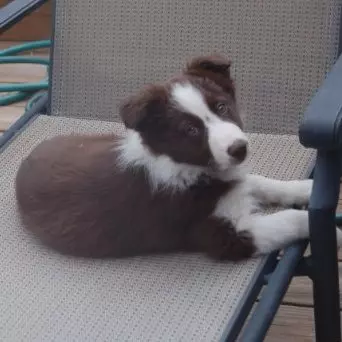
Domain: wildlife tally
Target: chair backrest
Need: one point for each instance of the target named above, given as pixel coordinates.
(281, 50)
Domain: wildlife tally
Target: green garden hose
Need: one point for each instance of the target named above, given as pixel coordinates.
(22, 91)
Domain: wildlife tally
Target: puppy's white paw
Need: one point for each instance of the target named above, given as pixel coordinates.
(300, 192)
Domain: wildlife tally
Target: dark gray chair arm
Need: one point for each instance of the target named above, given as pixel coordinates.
(321, 129)
(322, 124)
(15, 10)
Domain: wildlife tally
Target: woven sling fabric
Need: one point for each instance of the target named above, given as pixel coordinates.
(49, 297)
(280, 50)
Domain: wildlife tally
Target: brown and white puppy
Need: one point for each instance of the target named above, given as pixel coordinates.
(174, 182)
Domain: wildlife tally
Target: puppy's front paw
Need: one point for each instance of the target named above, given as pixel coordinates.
(300, 193)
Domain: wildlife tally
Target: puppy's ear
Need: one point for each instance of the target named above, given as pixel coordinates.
(215, 68)
(138, 109)
(216, 64)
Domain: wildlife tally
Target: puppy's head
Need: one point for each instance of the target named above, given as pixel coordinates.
(193, 118)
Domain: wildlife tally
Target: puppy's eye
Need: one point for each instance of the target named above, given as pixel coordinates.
(221, 108)
(189, 129)
(193, 131)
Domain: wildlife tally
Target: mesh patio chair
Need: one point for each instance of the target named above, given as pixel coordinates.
(286, 66)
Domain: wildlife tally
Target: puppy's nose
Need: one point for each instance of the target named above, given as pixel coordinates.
(238, 150)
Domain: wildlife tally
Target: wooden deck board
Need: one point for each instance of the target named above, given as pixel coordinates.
(17, 73)
(300, 291)
(35, 26)
(293, 324)
(8, 115)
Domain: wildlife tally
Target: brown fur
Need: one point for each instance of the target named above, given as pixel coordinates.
(72, 195)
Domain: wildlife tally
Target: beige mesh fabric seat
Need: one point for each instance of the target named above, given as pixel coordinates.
(103, 51)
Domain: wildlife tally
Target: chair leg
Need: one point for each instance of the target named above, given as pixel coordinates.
(325, 278)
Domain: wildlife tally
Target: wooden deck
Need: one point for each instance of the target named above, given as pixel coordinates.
(294, 321)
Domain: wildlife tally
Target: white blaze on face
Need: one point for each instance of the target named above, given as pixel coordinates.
(221, 134)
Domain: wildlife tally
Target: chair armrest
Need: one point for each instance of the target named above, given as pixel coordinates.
(322, 124)
(15, 10)
(324, 266)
